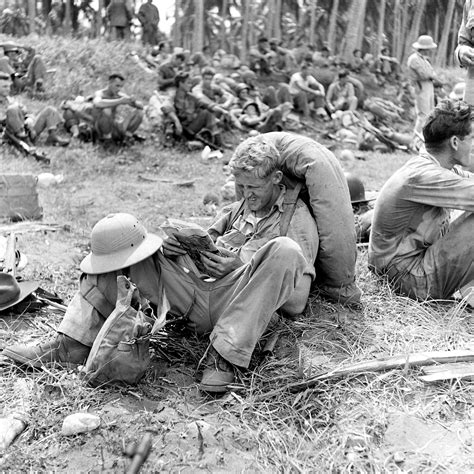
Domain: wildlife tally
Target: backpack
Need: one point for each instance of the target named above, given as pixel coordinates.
(120, 352)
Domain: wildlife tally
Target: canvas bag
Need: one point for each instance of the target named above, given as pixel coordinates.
(120, 352)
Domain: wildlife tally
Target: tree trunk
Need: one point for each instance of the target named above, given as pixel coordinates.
(397, 30)
(270, 17)
(223, 29)
(356, 20)
(31, 15)
(177, 24)
(331, 39)
(245, 29)
(435, 33)
(415, 28)
(277, 20)
(381, 27)
(454, 38)
(68, 18)
(100, 9)
(443, 43)
(312, 24)
(198, 35)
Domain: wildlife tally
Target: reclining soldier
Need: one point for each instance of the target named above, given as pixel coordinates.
(27, 127)
(264, 268)
(26, 71)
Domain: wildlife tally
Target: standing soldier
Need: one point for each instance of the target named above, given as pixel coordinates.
(422, 75)
(119, 17)
(149, 17)
(465, 50)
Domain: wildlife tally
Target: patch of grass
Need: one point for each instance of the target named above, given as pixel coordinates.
(339, 425)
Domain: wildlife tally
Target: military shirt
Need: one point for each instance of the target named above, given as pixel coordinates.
(412, 210)
(249, 233)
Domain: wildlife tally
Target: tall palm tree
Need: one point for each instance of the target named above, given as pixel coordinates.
(381, 26)
(414, 31)
(198, 33)
(332, 25)
(443, 41)
(356, 17)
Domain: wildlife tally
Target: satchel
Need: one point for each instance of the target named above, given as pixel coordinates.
(120, 352)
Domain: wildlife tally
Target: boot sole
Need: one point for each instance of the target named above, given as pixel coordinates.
(36, 364)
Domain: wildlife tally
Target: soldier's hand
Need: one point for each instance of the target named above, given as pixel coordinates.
(178, 128)
(219, 266)
(172, 248)
(219, 110)
(466, 55)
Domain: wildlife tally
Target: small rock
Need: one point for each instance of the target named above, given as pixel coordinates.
(10, 427)
(79, 423)
(398, 457)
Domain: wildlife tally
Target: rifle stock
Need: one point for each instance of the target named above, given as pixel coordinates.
(24, 147)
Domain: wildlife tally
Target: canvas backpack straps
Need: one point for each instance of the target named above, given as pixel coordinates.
(235, 214)
(91, 293)
(289, 206)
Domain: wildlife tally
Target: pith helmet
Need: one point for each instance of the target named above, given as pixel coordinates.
(425, 42)
(119, 241)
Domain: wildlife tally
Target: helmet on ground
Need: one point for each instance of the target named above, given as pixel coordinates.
(356, 188)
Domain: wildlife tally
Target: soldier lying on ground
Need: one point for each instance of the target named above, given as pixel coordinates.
(413, 241)
(266, 265)
(26, 70)
(24, 126)
(253, 119)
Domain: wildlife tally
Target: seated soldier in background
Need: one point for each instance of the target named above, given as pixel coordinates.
(26, 70)
(191, 115)
(206, 88)
(27, 127)
(108, 126)
(261, 56)
(413, 241)
(341, 94)
(283, 60)
(78, 117)
(168, 70)
(306, 91)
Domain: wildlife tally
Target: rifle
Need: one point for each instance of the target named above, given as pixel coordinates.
(198, 136)
(368, 127)
(22, 146)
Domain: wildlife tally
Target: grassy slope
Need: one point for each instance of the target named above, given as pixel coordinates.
(339, 425)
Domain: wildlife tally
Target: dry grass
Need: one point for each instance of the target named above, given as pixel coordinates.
(339, 425)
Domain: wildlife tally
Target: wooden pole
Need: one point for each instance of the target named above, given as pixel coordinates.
(31, 15)
(312, 24)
